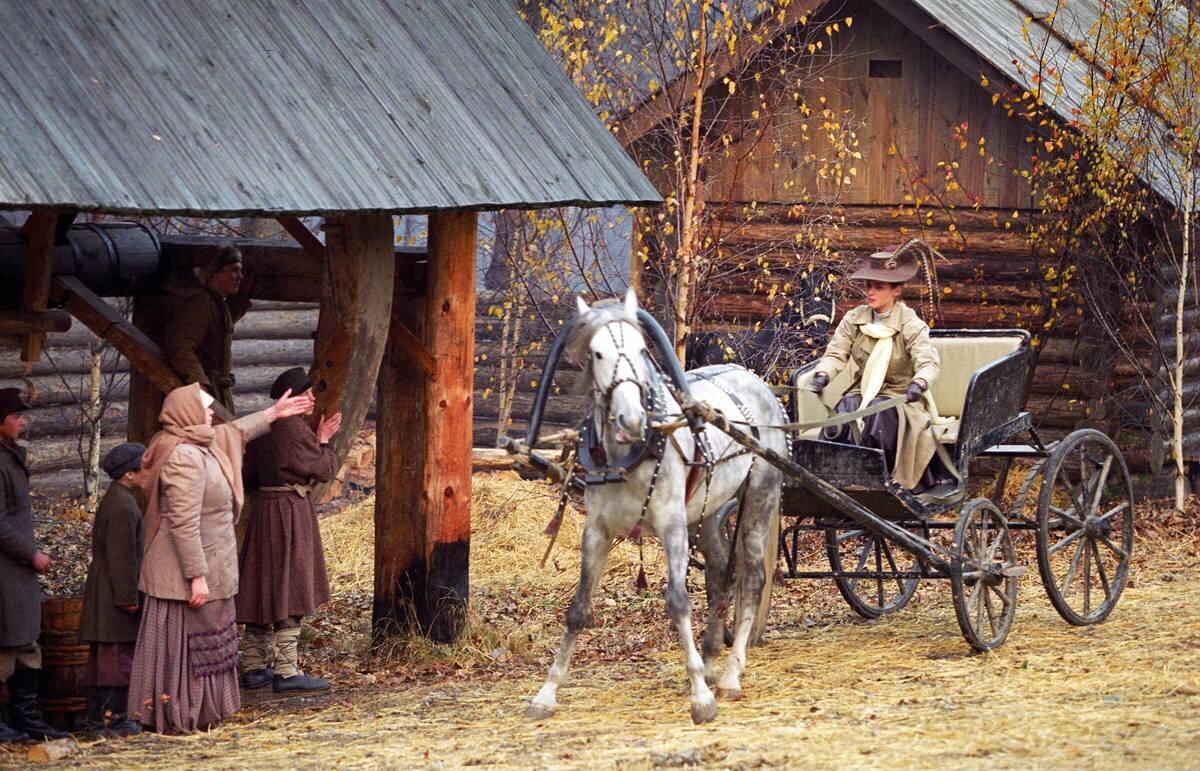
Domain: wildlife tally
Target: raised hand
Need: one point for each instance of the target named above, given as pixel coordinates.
(328, 427)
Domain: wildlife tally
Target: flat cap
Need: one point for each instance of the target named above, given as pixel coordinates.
(123, 458)
(11, 401)
(295, 378)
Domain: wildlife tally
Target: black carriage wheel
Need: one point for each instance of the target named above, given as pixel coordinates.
(983, 575)
(865, 552)
(1085, 527)
(770, 563)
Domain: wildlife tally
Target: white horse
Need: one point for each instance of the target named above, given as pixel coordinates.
(609, 339)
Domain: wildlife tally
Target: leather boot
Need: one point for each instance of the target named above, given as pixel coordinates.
(106, 713)
(11, 735)
(23, 704)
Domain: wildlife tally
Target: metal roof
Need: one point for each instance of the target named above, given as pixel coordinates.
(244, 107)
(994, 29)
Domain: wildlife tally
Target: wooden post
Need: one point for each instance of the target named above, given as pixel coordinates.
(352, 328)
(39, 262)
(400, 466)
(423, 492)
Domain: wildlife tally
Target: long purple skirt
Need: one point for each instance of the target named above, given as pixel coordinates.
(184, 675)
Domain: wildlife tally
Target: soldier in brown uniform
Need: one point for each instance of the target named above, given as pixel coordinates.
(20, 592)
(199, 337)
(111, 604)
(282, 561)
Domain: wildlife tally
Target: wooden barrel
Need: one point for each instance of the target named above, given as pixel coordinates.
(64, 658)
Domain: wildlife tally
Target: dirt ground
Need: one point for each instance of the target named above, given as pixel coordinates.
(824, 690)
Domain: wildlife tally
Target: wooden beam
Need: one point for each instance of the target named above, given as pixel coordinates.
(39, 262)
(356, 308)
(305, 237)
(27, 322)
(107, 322)
(446, 488)
(404, 341)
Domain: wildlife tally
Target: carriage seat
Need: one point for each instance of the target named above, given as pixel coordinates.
(961, 355)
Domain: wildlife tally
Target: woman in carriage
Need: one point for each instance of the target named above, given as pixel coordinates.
(889, 345)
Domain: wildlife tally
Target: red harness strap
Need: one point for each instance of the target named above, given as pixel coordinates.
(693, 478)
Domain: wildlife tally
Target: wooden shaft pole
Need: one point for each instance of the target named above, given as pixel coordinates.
(39, 262)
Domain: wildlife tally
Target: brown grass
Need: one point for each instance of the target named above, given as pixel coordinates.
(825, 689)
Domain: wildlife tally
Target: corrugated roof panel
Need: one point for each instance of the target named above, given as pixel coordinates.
(293, 106)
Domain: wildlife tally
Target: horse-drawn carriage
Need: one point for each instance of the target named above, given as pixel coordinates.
(708, 453)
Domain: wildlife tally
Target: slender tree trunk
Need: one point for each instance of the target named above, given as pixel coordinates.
(94, 416)
(1177, 379)
(688, 236)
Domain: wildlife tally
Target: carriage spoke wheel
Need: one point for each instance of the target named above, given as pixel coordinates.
(1085, 527)
(875, 588)
(983, 575)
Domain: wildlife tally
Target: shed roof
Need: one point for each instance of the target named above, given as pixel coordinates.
(245, 107)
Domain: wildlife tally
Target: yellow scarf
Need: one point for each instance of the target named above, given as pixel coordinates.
(875, 370)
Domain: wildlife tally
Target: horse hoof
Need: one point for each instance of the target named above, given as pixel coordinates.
(537, 711)
(729, 694)
(704, 711)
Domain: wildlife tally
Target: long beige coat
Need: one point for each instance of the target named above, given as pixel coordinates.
(196, 535)
(913, 356)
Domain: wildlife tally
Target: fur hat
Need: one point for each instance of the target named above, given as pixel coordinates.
(217, 259)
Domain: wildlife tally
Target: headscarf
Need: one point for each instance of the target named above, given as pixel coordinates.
(184, 421)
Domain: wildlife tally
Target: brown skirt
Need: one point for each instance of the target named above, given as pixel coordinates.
(109, 665)
(282, 564)
(185, 666)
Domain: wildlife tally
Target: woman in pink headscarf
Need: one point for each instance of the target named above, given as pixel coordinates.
(185, 664)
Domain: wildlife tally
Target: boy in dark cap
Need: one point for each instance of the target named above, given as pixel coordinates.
(199, 337)
(20, 592)
(282, 561)
(111, 605)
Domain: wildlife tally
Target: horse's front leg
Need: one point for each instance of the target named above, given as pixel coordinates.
(596, 546)
(751, 582)
(679, 608)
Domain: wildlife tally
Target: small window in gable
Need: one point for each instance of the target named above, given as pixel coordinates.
(885, 68)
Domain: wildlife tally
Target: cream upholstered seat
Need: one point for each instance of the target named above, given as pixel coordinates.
(960, 358)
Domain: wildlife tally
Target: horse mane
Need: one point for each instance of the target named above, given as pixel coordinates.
(585, 325)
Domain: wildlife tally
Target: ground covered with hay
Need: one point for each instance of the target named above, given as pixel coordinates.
(825, 689)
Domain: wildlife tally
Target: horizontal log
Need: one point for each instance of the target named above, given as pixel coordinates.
(64, 421)
(26, 322)
(276, 325)
(59, 453)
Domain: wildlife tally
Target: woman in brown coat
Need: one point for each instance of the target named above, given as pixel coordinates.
(185, 663)
(111, 606)
(282, 560)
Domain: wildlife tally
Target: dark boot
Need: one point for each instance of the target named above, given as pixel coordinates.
(300, 683)
(10, 735)
(23, 705)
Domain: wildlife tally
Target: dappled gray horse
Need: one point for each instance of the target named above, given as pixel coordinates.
(629, 397)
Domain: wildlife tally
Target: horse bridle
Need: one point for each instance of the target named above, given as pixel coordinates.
(653, 399)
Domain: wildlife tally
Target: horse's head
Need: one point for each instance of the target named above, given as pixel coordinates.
(614, 356)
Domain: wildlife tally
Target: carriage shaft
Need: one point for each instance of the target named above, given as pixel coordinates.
(852, 509)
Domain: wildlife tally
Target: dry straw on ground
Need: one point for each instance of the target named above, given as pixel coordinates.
(824, 690)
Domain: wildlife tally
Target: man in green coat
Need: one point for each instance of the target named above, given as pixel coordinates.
(111, 605)
(199, 337)
(20, 591)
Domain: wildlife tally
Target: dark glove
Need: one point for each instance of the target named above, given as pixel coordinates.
(819, 381)
(915, 389)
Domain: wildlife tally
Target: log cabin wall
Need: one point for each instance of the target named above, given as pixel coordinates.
(270, 338)
(912, 110)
